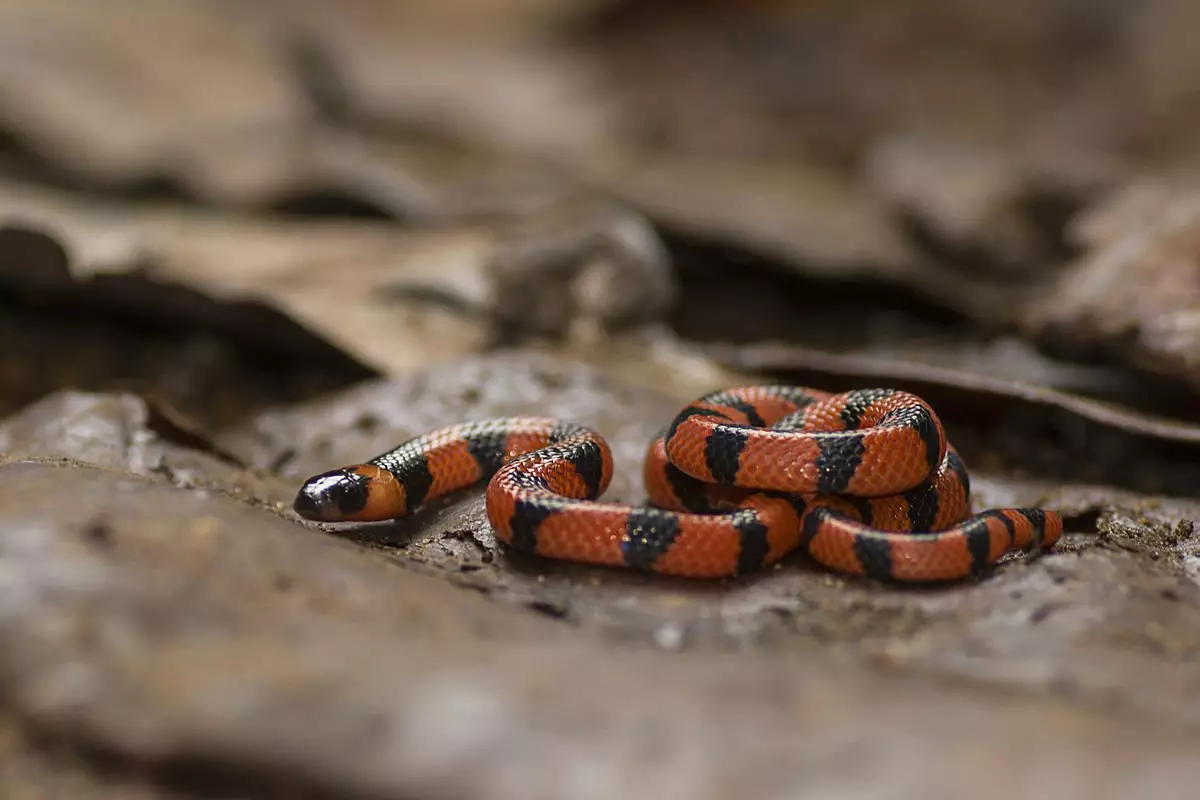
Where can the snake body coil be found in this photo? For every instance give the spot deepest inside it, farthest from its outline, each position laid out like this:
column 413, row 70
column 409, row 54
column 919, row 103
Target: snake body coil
column 865, row 481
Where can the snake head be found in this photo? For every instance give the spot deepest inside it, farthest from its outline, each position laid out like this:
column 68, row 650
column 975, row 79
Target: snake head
column 360, row 493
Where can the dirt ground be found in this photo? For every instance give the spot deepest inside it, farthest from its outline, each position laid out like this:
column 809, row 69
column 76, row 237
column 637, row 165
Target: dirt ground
column 239, row 247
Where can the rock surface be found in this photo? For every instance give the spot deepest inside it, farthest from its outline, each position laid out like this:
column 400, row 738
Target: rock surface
column 166, row 626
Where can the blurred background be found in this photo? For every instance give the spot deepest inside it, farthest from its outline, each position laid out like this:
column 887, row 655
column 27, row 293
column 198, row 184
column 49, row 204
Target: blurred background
column 970, row 185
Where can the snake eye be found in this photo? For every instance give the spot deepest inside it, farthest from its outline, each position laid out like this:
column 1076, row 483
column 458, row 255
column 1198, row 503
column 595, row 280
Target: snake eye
column 333, row 496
